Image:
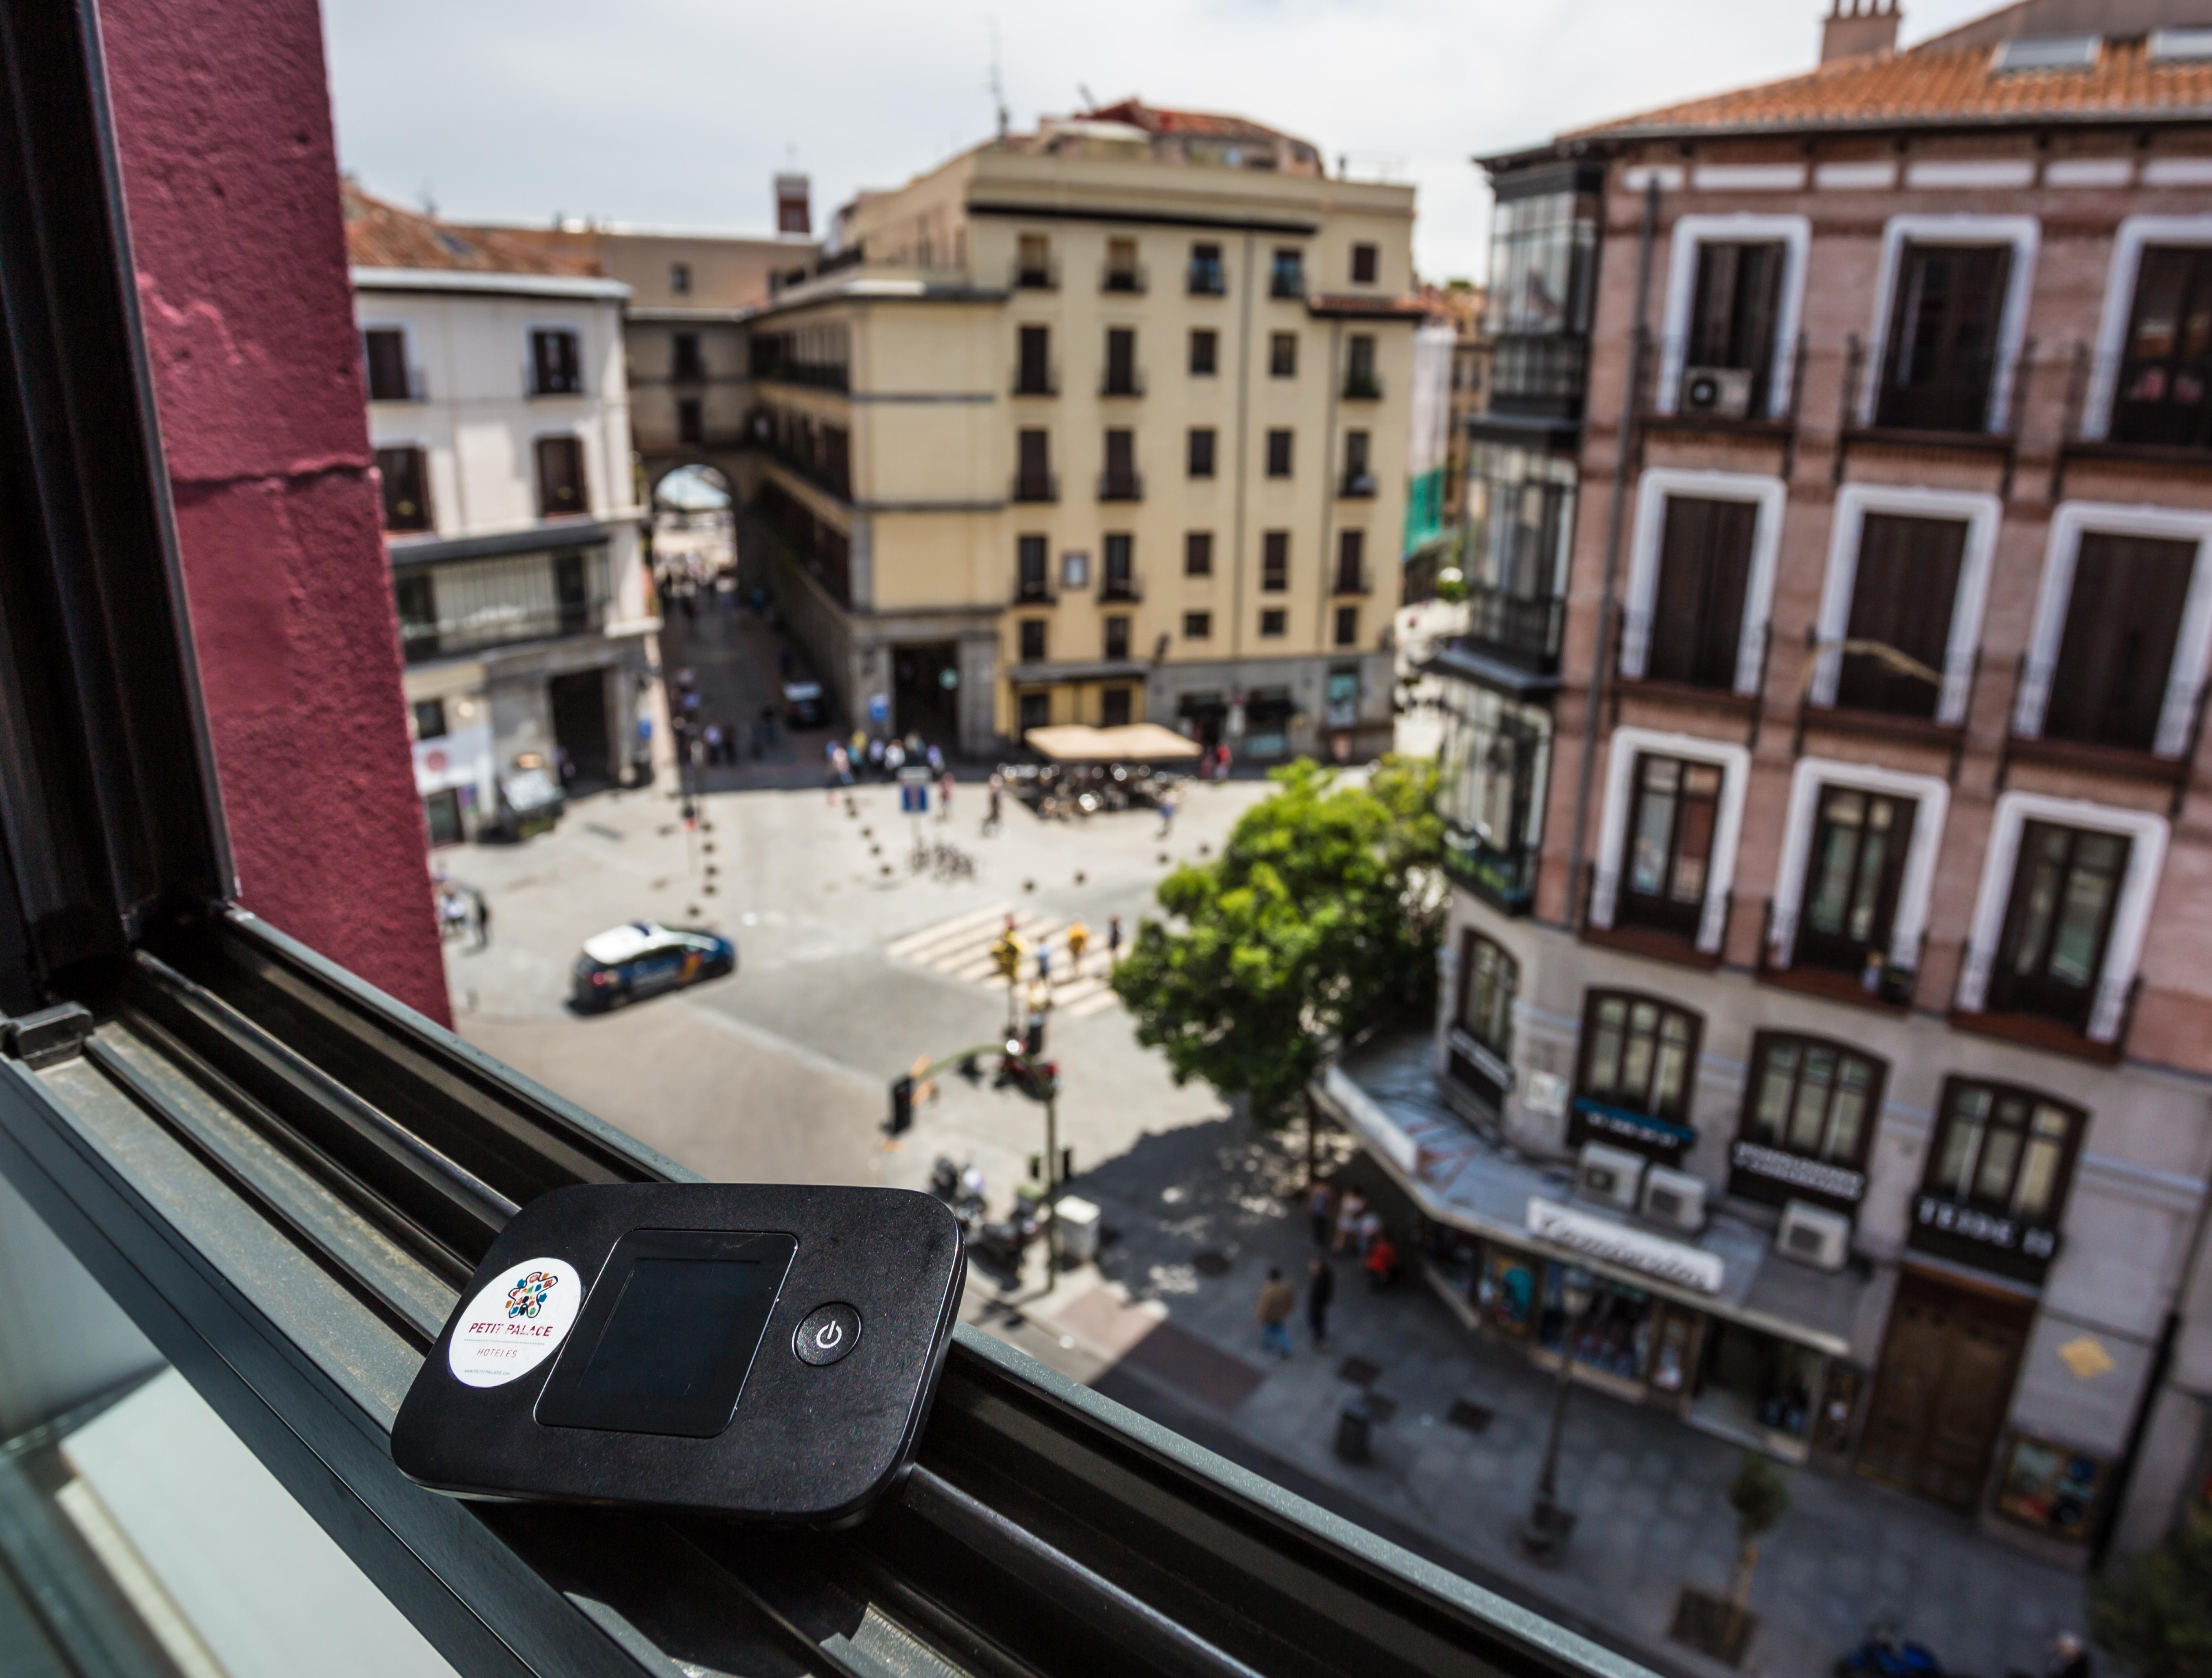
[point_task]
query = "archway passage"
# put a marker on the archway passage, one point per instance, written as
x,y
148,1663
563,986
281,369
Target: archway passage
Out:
x,y
923,701
694,523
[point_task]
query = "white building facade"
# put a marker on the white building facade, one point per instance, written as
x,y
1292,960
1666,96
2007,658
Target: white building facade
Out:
x,y
499,410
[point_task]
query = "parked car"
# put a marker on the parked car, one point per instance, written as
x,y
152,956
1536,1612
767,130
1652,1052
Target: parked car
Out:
x,y
644,958
804,706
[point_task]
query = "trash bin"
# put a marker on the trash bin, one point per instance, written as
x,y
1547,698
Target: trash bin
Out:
x,y
1078,1222
1355,1427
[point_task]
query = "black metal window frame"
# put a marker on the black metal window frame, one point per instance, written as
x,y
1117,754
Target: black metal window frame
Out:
x,y
284,1176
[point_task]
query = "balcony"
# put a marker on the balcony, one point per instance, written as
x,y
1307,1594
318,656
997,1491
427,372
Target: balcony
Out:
x,y
1287,285
2150,415
1120,486
1880,982
1504,878
817,375
2096,1029
1034,591
1351,579
1206,279
1036,382
1036,274
1363,384
1515,627
1122,589
1357,485
1123,279
1122,381
1538,375
1035,486
1675,941
2128,745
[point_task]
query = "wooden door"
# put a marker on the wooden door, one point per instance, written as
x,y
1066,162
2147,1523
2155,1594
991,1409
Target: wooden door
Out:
x,y
2116,656
1940,1397
1704,576
1902,597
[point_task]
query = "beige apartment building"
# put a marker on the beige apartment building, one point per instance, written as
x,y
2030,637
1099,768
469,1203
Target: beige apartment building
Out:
x,y
1098,424
1828,787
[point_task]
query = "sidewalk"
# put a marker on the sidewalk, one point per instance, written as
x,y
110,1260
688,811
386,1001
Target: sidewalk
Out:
x,y
1164,1324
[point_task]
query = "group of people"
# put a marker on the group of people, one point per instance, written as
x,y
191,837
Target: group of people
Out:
x,y
1343,1224
1078,939
703,744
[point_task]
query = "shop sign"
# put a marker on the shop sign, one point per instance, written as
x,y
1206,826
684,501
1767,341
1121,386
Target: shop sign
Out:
x,y
454,759
1816,1177
1615,1243
2008,1234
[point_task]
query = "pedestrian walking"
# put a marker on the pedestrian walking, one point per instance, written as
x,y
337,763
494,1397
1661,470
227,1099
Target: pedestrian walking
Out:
x,y
936,758
1321,1210
839,772
1078,940
1371,1231
484,921
1113,940
1350,1207
1277,1300
714,744
857,747
894,758
1320,1292
1167,813
944,793
1381,1262
1044,965
875,757
991,810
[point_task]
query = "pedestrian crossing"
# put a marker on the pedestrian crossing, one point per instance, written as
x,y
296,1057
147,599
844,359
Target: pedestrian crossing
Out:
x,y
961,949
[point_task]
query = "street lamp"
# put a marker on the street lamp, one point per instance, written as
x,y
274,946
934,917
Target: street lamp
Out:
x,y
1545,1530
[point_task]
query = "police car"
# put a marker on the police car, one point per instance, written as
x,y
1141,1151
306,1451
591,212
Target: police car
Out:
x,y
644,957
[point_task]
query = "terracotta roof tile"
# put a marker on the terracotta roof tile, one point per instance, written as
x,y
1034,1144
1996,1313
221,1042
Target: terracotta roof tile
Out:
x,y
383,235
1936,85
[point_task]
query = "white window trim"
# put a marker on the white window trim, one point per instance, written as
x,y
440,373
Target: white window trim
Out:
x,y
2131,915
2023,233
1932,795
1982,513
1690,234
416,386
1621,753
1653,488
2135,233
2074,519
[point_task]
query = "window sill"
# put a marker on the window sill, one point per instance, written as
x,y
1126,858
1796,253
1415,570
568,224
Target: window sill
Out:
x,y
2124,762
1726,700
2034,1031
1678,948
1830,985
1885,725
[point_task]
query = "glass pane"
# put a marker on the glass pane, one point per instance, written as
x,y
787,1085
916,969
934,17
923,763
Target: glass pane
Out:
x,y
1636,1063
1778,1074
1674,1074
1834,869
1846,1123
1993,1176
1866,894
1693,849
1655,832
1605,1047
2039,1178
1807,1122
2078,945
2032,927
1962,1138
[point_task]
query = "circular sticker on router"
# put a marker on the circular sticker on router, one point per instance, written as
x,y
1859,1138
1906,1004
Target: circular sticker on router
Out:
x,y
516,1323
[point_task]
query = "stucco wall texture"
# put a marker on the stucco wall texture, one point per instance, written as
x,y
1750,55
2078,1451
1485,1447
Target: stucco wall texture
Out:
x,y
229,167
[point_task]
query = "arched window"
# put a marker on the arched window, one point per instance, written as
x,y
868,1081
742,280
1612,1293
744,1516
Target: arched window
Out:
x,y
1808,1116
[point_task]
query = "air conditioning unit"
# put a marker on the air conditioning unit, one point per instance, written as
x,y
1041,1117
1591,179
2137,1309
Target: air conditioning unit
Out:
x,y
1814,1235
1724,392
1610,1176
1674,1198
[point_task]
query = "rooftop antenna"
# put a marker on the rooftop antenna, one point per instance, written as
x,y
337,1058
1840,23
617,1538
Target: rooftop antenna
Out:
x,y
1090,99
429,201
998,83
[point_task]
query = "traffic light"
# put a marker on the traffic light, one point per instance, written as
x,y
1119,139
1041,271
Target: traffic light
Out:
x,y
901,1104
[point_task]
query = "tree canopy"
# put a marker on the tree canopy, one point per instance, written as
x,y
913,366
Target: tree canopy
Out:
x,y
1320,917
2153,1613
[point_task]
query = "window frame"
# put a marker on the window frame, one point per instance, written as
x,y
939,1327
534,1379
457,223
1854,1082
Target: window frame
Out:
x,y
1345,629
1808,778
1282,445
1274,561
1366,264
1274,622
1033,633
2022,235
2072,521
2135,233
1210,338
536,383
1198,553
1653,489
1626,745
1198,626
1665,1130
574,445
222,1277
1282,355
1201,447
1965,1224
1821,1176
1689,235
400,330
1983,515
427,521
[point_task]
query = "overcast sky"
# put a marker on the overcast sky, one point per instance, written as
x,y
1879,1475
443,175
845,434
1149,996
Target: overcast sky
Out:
x,y
675,112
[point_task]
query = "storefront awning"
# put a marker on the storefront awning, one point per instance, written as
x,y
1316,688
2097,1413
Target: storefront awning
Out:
x,y
1132,743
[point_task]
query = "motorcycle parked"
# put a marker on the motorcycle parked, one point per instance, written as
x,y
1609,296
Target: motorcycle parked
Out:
x,y
1886,1653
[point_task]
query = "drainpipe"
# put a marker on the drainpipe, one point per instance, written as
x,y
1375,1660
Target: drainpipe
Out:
x,y
1586,769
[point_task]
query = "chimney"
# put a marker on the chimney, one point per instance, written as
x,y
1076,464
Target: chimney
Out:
x,y
1855,28
792,213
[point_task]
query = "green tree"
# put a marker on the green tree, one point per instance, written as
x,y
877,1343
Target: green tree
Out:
x,y
2153,1613
1760,1494
1321,916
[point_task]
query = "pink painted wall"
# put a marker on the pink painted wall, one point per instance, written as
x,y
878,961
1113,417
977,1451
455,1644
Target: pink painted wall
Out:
x,y
230,171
